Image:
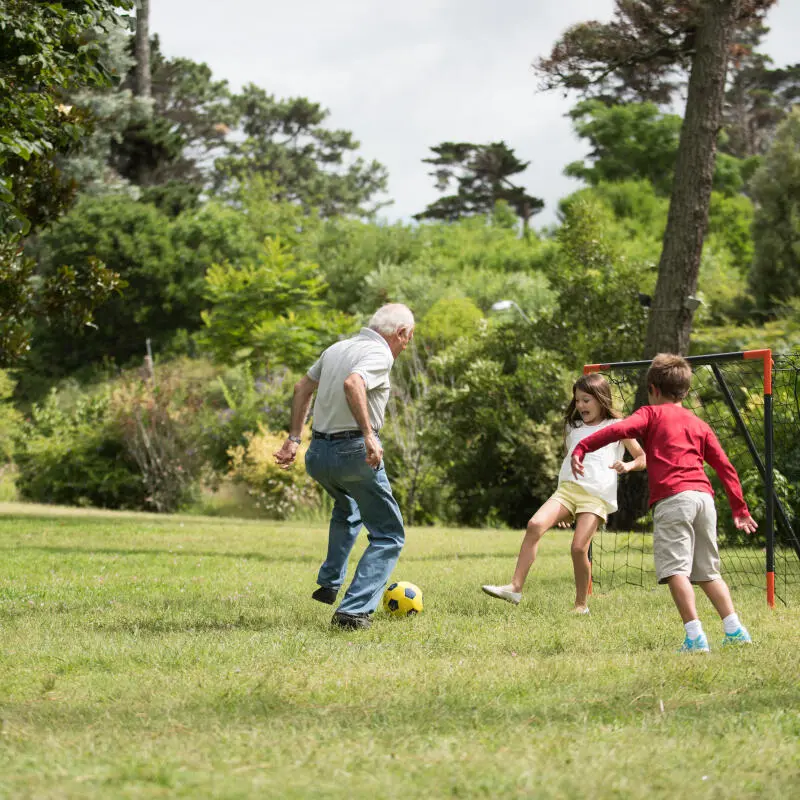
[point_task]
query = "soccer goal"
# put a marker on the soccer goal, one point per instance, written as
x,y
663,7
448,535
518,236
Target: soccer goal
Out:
x,y
752,402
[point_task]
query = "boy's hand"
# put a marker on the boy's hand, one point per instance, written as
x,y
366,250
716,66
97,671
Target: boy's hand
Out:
x,y
577,465
621,467
746,524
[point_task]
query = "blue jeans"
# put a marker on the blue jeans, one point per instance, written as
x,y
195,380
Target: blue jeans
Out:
x,y
361,495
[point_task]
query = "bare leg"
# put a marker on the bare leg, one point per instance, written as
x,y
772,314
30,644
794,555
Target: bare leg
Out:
x,y
683,594
544,519
585,528
719,595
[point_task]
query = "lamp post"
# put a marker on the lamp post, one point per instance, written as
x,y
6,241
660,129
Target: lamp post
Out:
x,y
504,305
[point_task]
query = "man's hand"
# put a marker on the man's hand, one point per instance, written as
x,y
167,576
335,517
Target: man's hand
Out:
x,y
622,467
576,462
746,524
284,457
374,450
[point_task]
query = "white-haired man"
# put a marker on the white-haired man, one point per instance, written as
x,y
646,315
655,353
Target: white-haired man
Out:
x,y
351,379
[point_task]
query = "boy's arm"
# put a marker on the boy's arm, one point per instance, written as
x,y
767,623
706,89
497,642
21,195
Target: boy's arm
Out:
x,y
631,428
716,458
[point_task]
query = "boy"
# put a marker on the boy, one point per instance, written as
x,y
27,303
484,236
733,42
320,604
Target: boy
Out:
x,y
677,443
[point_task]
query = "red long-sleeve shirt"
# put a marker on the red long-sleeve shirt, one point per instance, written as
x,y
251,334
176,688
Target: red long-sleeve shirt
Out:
x,y
676,443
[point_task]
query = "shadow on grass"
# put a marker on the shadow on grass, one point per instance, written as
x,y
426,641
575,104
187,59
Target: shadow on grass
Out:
x,y
248,556
115,551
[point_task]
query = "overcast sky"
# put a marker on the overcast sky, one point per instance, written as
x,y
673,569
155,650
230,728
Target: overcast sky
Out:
x,y
404,76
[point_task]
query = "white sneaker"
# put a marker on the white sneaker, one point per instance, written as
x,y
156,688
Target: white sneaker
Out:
x,y
579,610
503,593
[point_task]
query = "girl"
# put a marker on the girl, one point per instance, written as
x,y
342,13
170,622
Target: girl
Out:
x,y
589,500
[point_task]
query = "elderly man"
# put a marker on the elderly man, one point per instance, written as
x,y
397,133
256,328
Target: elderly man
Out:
x,y
351,379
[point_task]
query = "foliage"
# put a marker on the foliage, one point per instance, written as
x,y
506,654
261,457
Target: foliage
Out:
x,y
76,456
493,410
286,141
775,275
160,295
482,174
409,439
236,402
47,50
66,297
758,97
637,141
448,320
642,54
112,109
278,493
269,311
598,316
163,262
53,47
10,420
169,150
156,417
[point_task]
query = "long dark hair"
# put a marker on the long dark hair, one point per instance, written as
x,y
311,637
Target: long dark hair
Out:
x,y
597,386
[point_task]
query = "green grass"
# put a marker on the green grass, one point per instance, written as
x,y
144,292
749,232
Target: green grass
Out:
x,y
145,656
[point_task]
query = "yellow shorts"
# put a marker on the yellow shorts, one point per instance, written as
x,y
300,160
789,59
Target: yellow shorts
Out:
x,y
578,501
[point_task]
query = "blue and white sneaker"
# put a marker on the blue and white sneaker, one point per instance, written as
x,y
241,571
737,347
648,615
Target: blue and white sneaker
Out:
x,y
740,636
697,645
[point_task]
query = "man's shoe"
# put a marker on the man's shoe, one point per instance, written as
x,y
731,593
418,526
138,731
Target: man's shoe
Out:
x,y
740,636
503,593
351,621
325,595
697,645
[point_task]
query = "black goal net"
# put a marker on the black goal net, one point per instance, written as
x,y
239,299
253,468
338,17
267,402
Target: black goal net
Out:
x,y
752,402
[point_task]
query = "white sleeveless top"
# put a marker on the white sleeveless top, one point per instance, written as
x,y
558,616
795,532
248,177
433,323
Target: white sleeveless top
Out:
x,y
597,479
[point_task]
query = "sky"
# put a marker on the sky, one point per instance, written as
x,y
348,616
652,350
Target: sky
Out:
x,y
404,77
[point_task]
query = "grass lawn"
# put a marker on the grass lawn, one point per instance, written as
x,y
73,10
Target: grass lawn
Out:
x,y
145,656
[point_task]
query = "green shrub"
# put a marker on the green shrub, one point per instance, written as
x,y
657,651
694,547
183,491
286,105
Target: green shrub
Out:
x,y
77,457
10,419
156,418
235,403
278,493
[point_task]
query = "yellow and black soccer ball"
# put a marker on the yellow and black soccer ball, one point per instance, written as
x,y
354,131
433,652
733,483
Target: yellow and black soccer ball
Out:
x,y
402,599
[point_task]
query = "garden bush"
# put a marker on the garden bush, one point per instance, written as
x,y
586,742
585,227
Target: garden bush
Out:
x,y
277,493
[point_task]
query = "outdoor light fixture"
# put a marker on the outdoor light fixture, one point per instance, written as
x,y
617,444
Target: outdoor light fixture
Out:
x,y
505,305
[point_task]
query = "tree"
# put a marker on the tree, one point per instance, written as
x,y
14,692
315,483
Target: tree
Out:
x,y
775,276
637,141
309,164
641,54
758,97
46,51
142,78
169,153
482,174
269,310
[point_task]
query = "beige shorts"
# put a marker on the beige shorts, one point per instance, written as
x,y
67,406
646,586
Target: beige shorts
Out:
x,y
685,537
578,501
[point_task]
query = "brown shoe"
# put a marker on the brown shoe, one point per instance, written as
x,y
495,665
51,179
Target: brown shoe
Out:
x,y
351,621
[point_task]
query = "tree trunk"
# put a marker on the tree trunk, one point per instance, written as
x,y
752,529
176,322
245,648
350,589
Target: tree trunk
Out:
x,y
670,323
142,79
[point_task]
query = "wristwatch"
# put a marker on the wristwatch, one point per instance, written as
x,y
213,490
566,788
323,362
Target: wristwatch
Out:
x,y
295,439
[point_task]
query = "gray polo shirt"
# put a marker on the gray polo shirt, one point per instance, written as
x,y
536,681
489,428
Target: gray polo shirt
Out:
x,y
367,354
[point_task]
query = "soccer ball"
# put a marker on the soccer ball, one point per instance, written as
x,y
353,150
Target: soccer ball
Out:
x,y
402,599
